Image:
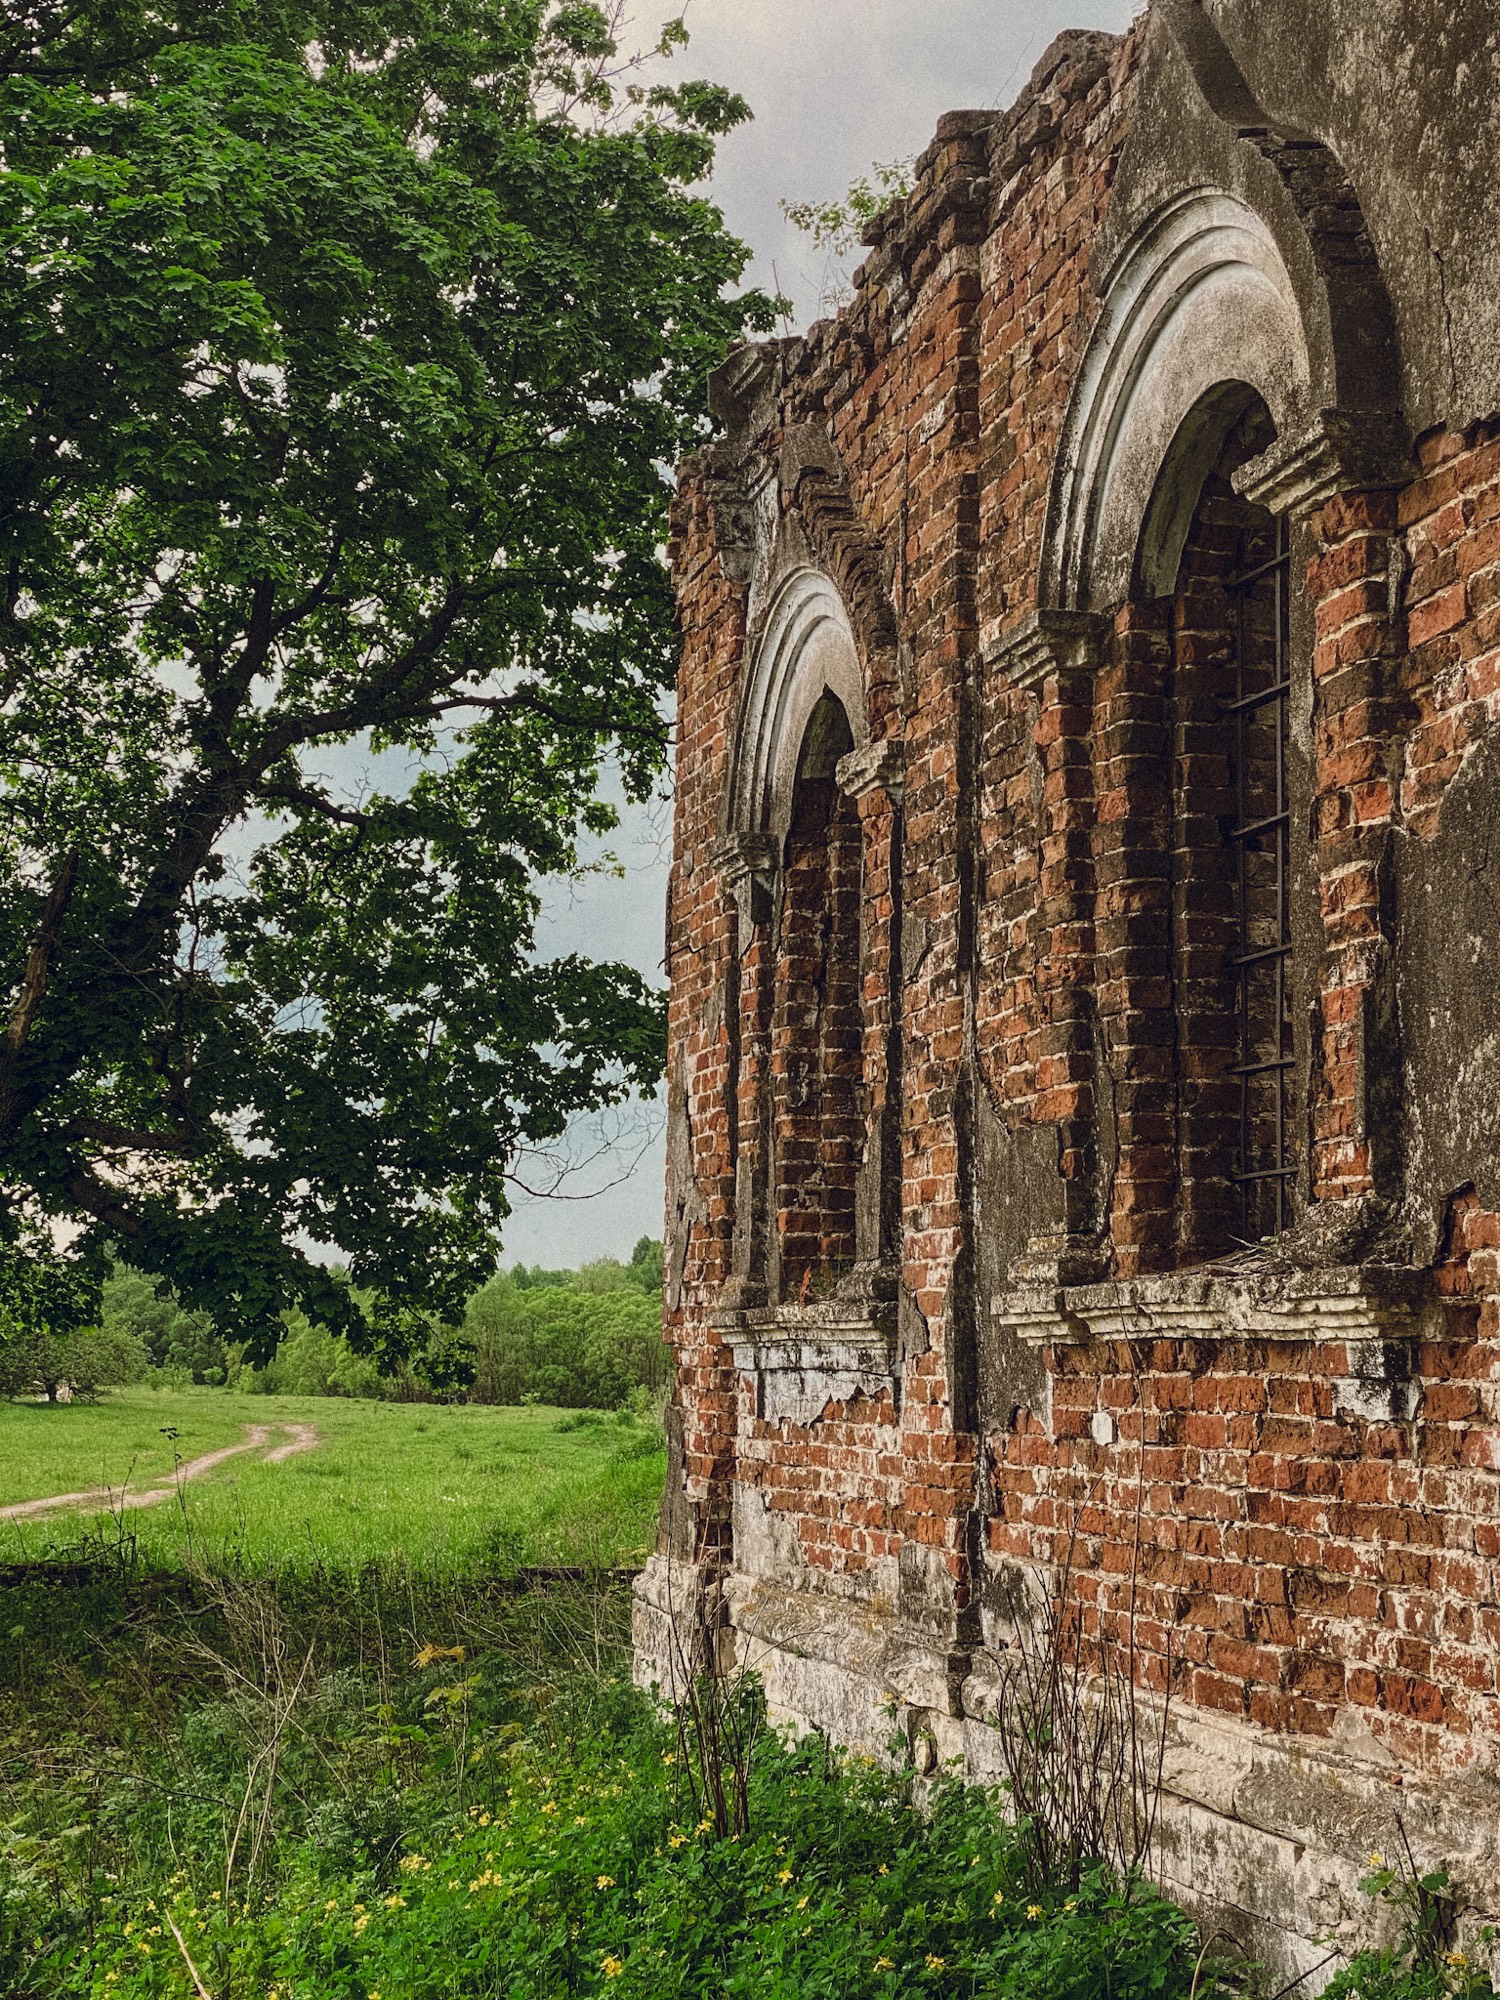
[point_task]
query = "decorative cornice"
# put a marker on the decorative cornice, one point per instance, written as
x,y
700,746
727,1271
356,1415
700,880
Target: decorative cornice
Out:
x,y
877,767
1035,1314
1338,452
1363,1306
802,1358
1047,642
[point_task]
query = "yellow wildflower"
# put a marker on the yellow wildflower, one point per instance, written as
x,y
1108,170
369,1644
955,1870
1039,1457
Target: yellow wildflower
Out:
x,y
331,1904
1034,1911
677,1840
934,1963
360,1922
802,1902
484,1819
394,1903
1458,1960
784,1875
612,1967
428,1654
414,1864
883,1869
605,1882
669,1756
999,1895
885,1964
705,1826
1375,1860
549,1805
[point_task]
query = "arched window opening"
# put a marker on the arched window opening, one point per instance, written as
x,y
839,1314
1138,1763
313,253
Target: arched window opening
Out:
x,y
1233,866
817,1039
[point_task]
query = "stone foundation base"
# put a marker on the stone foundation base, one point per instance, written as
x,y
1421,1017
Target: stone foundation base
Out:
x,y
1264,1836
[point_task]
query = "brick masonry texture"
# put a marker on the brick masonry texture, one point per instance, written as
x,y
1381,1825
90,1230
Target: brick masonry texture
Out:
x,y
956,1284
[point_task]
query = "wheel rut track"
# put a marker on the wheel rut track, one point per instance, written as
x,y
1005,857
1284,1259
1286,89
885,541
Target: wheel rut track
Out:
x,y
121,1499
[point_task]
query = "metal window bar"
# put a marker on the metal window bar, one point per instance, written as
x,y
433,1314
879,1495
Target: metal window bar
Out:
x,y
1263,1167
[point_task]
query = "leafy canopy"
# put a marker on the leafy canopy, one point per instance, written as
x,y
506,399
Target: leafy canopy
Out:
x,y
346,348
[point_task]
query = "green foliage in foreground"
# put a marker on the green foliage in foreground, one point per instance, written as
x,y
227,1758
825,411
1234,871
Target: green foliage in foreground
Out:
x,y
385,1785
576,1873
485,1808
447,1489
1427,1962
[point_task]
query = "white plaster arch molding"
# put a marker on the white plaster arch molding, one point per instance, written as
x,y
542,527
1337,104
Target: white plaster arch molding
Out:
x,y
806,649
1199,311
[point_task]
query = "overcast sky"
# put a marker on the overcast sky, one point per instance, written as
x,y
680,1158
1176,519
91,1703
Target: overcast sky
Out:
x,y
835,86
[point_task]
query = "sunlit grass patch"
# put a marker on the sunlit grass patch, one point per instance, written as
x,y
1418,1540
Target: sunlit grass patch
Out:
x,y
445,1487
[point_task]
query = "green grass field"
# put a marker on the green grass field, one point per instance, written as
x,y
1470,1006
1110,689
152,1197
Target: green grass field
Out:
x,y
443,1488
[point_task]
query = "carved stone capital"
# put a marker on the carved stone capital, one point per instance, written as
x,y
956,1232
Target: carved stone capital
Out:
x,y
1047,642
748,863
736,855
1339,452
741,390
878,767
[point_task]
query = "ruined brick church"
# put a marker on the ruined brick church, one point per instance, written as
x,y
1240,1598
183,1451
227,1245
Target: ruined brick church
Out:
x,y
1084,940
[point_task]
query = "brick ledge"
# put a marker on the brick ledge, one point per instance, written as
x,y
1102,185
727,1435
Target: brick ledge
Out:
x,y
1368,1307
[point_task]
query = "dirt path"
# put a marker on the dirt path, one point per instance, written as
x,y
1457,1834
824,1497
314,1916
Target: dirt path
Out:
x,y
300,1437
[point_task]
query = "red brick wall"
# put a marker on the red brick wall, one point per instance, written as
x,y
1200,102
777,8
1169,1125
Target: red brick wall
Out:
x,y
1287,1559
1291,1556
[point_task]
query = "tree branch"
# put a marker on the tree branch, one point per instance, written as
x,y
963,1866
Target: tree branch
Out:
x,y
127,1139
315,801
34,984
103,1203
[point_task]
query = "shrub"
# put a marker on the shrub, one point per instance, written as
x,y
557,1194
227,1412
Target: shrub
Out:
x,y
186,1344
311,1361
555,1344
78,1364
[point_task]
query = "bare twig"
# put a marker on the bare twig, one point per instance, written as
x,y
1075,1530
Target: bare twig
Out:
x,y
203,1991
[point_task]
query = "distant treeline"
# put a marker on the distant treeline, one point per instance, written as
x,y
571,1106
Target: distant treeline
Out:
x,y
584,1339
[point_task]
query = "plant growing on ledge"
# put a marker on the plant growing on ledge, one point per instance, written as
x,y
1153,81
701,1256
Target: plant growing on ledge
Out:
x,y
346,347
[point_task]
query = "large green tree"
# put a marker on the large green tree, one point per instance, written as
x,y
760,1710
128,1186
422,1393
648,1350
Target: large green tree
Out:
x,y
344,349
